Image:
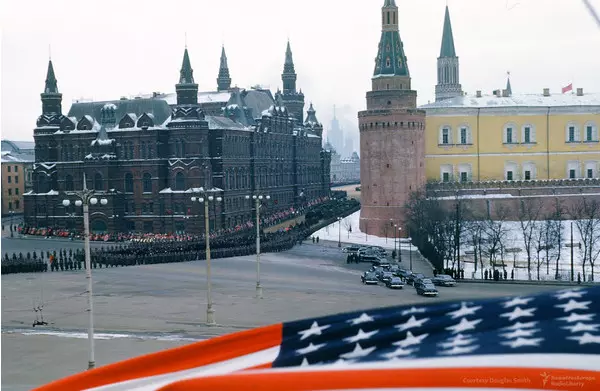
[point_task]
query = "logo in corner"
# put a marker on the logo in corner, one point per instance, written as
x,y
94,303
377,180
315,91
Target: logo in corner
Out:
x,y
545,376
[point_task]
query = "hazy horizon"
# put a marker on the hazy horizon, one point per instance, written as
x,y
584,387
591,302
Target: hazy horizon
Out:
x,y
108,49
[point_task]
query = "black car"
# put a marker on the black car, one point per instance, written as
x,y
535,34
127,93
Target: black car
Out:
x,y
353,249
422,281
414,277
395,283
403,273
369,279
426,289
386,276
443,280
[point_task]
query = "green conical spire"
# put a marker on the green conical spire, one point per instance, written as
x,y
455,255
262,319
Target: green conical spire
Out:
x,y
187,73
447,49
508,86
389,3
288,66
51,83
223,79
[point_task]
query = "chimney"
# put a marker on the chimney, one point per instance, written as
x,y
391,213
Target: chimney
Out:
x,y
580,92
479,93
546,91
504,93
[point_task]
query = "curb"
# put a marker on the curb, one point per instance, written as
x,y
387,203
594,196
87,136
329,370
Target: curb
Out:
x,y
525,282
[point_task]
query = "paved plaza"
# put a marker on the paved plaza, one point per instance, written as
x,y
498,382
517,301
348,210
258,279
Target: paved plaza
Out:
x,y
132,303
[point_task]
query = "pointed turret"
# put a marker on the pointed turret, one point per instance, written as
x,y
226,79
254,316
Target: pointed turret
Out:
x,y
51,98
448,85
447,49
508,86
289,73
391,68
312,121
187,90
223,80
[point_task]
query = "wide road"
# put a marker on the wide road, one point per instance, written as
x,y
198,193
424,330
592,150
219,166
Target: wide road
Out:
x,y
38,244
137,304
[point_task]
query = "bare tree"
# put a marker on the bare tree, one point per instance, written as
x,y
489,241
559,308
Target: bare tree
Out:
x,y
529,213
496,231
587,214
555,235
475,232
347,226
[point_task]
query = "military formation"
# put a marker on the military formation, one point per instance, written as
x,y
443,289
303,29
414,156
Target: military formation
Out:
x,y
169,251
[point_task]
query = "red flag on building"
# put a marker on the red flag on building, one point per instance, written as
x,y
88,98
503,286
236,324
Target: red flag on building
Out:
x,y
567,88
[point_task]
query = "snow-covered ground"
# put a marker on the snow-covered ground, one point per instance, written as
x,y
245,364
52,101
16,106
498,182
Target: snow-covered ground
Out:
x,y
514,240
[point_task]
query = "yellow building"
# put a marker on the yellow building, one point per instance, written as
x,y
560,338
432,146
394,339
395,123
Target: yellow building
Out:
x,y
509,137
17,162
504,136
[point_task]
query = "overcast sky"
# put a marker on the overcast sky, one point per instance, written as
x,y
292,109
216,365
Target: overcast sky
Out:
x,y
111,48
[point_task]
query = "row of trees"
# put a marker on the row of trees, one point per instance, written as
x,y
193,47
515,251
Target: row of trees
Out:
x,y
442,229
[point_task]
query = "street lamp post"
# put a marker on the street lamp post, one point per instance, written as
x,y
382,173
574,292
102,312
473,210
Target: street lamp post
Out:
x,y
87,198
395,236
257,204
12,214
410,249
339,219
210,312
400,245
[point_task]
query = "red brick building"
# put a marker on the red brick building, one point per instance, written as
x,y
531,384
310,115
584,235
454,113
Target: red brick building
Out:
x,y
392,135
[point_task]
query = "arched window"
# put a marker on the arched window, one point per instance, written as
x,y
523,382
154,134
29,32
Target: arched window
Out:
x,y
147,183
528,134
590,132
464,134
98,182
69,186
388,64
180,181
509,134
42,181
128,183
445,137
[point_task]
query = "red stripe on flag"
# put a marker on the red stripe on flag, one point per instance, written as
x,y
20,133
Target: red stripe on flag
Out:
x,y
567,88
191,356
349,379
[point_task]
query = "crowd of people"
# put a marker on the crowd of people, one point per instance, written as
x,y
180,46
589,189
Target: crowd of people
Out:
x,y
166,248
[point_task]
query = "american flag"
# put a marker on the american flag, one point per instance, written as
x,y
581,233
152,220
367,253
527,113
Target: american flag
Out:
x,y
545,341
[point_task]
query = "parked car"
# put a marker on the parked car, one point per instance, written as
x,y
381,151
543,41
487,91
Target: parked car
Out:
x,y
395,283
443,280
403,273
426,289
386,276
369,279
421,281
352,249
413,277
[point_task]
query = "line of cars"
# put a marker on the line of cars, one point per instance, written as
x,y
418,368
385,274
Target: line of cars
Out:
x,y
361,253
394,277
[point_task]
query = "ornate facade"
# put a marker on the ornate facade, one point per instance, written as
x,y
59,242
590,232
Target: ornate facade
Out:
x,y
392,135
147,156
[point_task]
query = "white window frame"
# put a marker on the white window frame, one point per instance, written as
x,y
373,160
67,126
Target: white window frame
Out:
x,y
513,137
532,138
446,169
594,127
465,168
468,137
441,140
576,133
593,165
573,165
531,167
512,167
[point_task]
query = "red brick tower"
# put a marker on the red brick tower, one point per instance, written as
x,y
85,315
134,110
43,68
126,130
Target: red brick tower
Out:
x,y
392,136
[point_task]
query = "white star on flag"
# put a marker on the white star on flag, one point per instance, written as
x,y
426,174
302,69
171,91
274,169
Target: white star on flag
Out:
x,y
520,325
457,341
411,323
518,313
459,350
398,352
464,325
305,362
315,329
361,335
520,333
413,310
574,305
517,343
517,301
577,317
364,318
586,338
582,327
464,311
570,293
310,348
358,352
410,340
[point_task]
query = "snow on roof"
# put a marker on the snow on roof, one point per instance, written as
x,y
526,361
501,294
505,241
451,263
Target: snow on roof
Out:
x,y
218,122
526,100
203,97
103,142
12,157
110,106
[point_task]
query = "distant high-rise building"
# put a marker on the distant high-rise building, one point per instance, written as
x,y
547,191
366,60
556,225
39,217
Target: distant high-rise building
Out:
x,y
336,134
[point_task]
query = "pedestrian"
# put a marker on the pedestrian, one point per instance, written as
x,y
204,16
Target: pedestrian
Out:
x,y
512,274
485,274
579,278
